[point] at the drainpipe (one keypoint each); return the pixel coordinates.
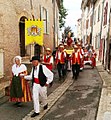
(102, 24)
(92, 1)
(54, 23)
(108, 43)
(102, 19)
(31, 6)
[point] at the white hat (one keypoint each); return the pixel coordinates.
(61, 46)
(75, 46)
(48, 49)
(17, 57)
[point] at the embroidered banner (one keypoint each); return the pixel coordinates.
(33, 32)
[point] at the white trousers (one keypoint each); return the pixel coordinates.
(42, 91)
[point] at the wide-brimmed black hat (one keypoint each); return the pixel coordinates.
(35, 58)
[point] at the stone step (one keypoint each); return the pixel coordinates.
(4, 99)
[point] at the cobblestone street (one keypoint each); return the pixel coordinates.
(80, 101)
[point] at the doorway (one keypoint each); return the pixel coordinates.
(37, 50)
(22, 36)
(109, 58)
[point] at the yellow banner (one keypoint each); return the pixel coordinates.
(33, 32)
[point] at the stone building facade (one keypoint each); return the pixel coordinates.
(99, 29)
(79, 31)
(12, 30)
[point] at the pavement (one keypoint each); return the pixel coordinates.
(104, 110)
(80, 101)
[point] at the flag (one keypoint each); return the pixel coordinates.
(33, 32)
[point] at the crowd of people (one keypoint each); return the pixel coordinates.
(64, 58)
(74, 58)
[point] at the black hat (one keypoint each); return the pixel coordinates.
(35, 58)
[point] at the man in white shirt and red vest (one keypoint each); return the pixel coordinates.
(41, 77)
(60, 59)
(76, 60)
(48, 59)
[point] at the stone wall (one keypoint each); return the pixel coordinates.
(10, 13)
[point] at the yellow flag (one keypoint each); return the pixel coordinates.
(33, 32)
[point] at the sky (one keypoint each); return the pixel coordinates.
(74, 13)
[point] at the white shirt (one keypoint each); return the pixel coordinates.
(46, 72)
(59, 55)
(18, 69)
(76, 55)
(81, 51)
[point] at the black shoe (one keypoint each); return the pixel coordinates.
(19, 105)
(76, 77)
(73, 77)
(50, 84)
(45, 107)
(64, 77)
(60, 78)
(34, 114)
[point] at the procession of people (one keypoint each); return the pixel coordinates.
(67, 57)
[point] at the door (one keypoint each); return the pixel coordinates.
(22, 36)
(37, 50)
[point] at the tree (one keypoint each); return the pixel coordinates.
(67, 30)
(62, 15)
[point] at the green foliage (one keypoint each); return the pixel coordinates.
(62, 15)
(67, 30)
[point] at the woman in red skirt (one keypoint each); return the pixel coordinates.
(19, 87)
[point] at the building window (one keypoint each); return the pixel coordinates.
(44, 17)
(97, 41)
(94, 17)
(52, 1)
(99, 13)
(87, 23)
(105, 14)
(91, 20)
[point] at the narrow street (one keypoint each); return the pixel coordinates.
(80, 101)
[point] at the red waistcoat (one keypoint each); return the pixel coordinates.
(74, 59)
(48, 61)
(62, 58)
